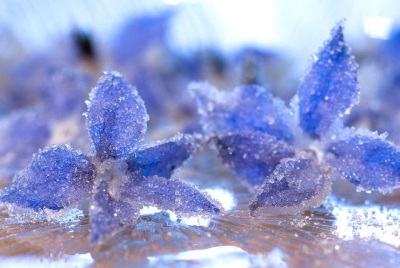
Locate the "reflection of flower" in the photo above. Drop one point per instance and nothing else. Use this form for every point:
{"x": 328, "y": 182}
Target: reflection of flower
{"x": 257, "y": 136}
{"x": 123, "y": 174}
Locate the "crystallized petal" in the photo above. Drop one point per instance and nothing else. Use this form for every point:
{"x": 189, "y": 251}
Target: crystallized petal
{"x": 252, "y": 156}
{"x": 170, "y": 194}
{"x": 247, "y": 108}
{"x": 57, "y": 177}
{"x": 367, "y": 160}
{"x": 116, "y": 117}
{"x": 163, "y": 157}
{"x": 108, "y": 215}
{"x": 330, "y": 88}
{"x": 21, "y": 134}
{"x": 296, "y": 184}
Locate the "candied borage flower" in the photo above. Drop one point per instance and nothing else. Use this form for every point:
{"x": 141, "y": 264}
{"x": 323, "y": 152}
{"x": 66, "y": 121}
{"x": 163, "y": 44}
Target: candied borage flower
{"x": 122, "y": 175}
{"x": 257, "y": 136}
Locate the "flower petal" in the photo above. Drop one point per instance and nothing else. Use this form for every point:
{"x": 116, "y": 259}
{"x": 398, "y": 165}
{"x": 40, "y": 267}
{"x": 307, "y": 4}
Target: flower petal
{"x": 163, "y": 157}
{"x": 296, "y": 184}
{"x": 170, "y": 194}
{"x": 57, "y": 177}
{"x": 366, "y": 160}
{"x": 252, "y": 156}
{"x": 330, "y": 88}
{"x": 247, "y": 108}
{"x": 116, "y": 117}
{"x": 108, "y": 215}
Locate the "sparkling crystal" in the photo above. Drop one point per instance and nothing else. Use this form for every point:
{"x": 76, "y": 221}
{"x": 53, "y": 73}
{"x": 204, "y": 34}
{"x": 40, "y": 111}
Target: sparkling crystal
{"x": 252, "y": 156}
{"x": 170, "y": 194}
{"x": 366, "y": 160}
{"x": 330, "y": 88}
{"x": 108, "y": 215}
{"x": 296, "y": 184}
{"x": 162, "y": 157}
{"x": 116, "y": 117}
{"x": 57, "y": 177}
{"x": 247, "y": 108}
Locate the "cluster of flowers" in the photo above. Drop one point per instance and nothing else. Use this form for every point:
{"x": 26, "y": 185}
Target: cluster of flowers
{"x": 288, "y": 156}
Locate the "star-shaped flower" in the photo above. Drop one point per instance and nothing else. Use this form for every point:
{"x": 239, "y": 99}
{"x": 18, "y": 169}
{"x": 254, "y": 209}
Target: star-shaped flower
{"x": 121, "y": 176}
{"x": 289, "y": 155}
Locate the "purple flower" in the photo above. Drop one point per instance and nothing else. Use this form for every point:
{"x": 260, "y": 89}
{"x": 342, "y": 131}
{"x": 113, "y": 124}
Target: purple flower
{"x": 121, "y": 176}
{"x": 289, "y": 155}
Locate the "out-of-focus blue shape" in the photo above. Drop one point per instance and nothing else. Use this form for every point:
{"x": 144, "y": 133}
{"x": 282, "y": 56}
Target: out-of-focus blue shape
{"x": 252, "y": 156}
{"x": 22, "y": 134}
{"x": 64, "y": 93}
{"x": 139, "y": 35}
{"x": 330, "y": 88}
{"x": 116, "y": 117}
{"x": 143, "y": 55}
{"x": 296, "y": 184}
{"x": 57, "y": 177}
{"x": 367, "y": 161}
{"x": 161, "y": 158}
{"x": 247, "y": 108}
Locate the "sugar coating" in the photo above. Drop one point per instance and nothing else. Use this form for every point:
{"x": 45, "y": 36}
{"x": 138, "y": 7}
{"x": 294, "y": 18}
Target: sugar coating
{"x": 116, "y": 117}
{"x": 252, "y": 156}
{"x": 57, "y": 177}
{"x": 161, "y": 158}
{"x": 330, "y": 88}
{"x": 120, "y": 194}
{"x": 108, "y": 215}
{"x": 22, "y": 134}
{"x": 296, "y": 184}
{"x": 247, "y": 108}
{"x": 366, "y": 160}
{"x": 170, "y": 194}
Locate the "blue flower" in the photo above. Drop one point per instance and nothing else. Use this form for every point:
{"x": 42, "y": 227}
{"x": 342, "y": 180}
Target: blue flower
{"x": 290, "y": 155}
{"x": 121, "y": 176}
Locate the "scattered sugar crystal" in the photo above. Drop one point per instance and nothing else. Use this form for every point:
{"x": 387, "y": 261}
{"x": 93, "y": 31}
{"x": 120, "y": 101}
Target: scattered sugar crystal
{"x": 170, "y": 194}
{"x": 57, "y": 177}
{"x": 162, "y": 157}
{"x": 247, "y": 108}
{"x": 252, "y": 156}
{"x": 366, "y": 222}
{"x": 331, "y": 86}
{"x": 116, "y": 117}
{"x": 366, "y": 160}
{"x": 108, "y": 215}
{"x": 22, "y": 134}
{"x": 296, "y": 184}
